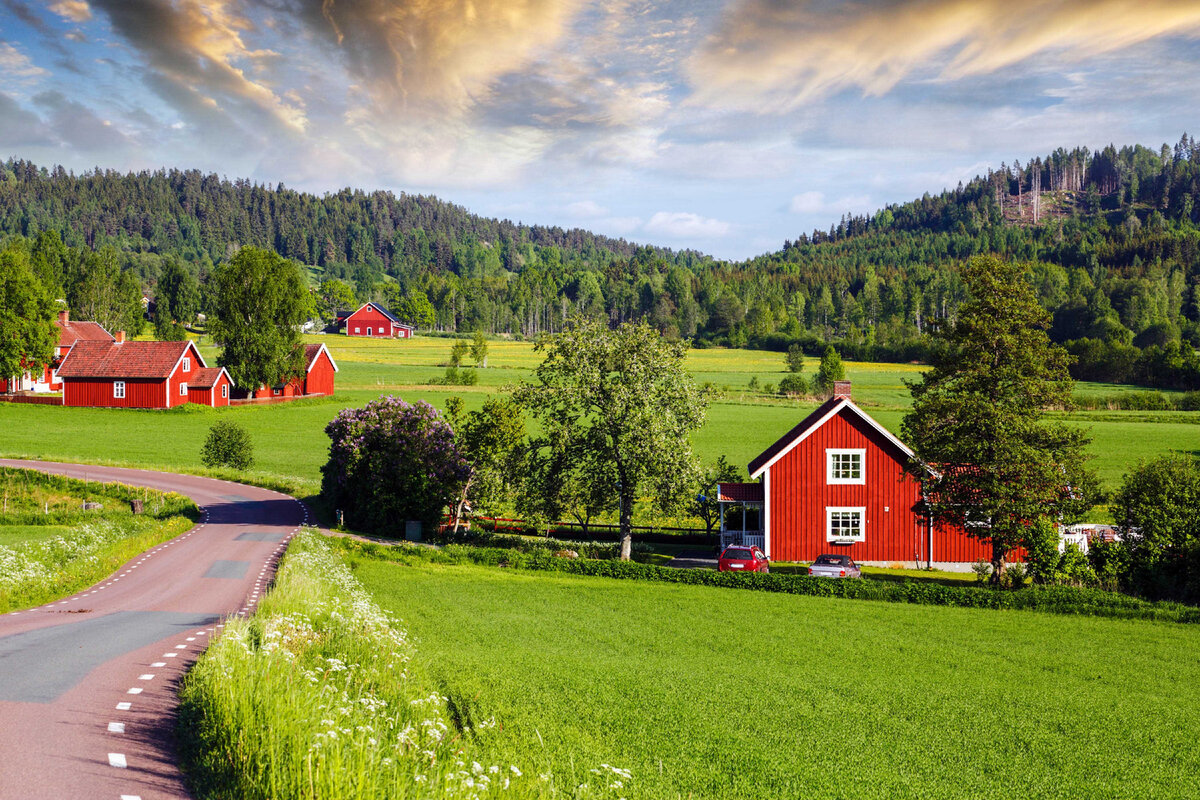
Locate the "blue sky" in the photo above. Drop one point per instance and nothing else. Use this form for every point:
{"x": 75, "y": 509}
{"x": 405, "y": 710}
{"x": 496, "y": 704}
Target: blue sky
{"x": 726, "y": 126}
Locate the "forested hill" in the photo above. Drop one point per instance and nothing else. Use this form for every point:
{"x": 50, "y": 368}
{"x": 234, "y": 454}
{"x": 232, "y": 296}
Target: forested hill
{"x": 1112, "y": 238}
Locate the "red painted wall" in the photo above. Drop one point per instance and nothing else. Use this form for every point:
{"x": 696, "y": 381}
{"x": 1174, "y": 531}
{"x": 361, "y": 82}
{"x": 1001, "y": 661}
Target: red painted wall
{"x": 368, "y": 316}
{"x": 320, "y": 378}
{"x": 800, "y": 495}
{"x": 211, "y": 396}
{"x": 149, "y": 393}
{"x": 179, "y": 376}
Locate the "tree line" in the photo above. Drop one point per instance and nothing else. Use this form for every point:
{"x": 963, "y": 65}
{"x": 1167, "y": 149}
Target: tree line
{"x": 1110, "y": 240}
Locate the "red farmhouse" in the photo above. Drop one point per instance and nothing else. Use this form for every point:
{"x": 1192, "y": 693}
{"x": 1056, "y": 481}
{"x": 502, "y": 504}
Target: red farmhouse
{"x": 318, "y": 376}
{"x": 836, "y": 483}
{"x": 125, "y": 374}
{"x": 210, "y": 387}
{"x": 46, "y": 380}
{"x": 375, "y": 320}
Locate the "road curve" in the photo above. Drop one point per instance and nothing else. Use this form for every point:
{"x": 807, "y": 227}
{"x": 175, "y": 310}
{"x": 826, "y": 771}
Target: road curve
{"x": 88, "y": 683}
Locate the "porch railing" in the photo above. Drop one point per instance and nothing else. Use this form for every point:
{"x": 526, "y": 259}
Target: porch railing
{"x": 745, "y": 538}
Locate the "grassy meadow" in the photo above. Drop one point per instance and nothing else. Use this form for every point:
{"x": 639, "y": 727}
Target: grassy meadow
{"x": 50, "y": 547}
{"x": 291, "y": 445}
{"x": 718, "y": 693}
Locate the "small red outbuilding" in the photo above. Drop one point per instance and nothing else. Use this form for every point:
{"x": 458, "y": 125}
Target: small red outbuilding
{"x": 375, "y": 320}
{"x": 837, "y": 483}
{"x": 319, "y": 369}
{"x": 121, "y": 374}
{"x": 210, "y": 387}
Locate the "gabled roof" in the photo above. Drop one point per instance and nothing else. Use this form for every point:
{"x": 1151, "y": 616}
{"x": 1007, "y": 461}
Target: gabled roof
{"x": 71, "y": 332}
{"x": 311, "y": 351}
{"x": 206, "y": 377}
{"x": 824, "y": 412}
{"x": 91, "y": 359}
{"x": 739, "y": 492}
{"x": 383, "y": 311}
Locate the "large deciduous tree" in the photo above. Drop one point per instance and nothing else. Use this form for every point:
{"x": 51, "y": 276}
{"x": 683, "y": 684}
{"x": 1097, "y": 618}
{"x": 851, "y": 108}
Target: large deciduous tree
{"x": 491, "y": 441}
{"x": 177, "y": 300}
{"x": 100, "y": 291}
{"x": 1157, "y": 511}
{"x": 390, "y": 462}
{"x": 27, "y": 331}
{"x": 989, "y": 459}
{"x": 260, "y": 300}
{"x": 623, "y": 396}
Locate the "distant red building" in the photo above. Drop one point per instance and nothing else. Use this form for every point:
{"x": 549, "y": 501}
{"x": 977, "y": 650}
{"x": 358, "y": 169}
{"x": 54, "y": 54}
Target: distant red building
{"x": 45, "y": 379}
{"x": 211, "y": 386}
{"x": 836, "y": 483}
{"x": 375, "y": 320}
{"x": 317, "y": 380}
{"x": 121, "y": 374}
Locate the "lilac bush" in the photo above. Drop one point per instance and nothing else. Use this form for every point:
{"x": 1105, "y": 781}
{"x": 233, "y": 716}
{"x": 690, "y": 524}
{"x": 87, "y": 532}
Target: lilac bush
{"x": 389, "y": 462}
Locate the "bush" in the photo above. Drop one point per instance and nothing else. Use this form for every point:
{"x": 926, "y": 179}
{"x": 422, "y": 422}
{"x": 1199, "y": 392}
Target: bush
{"x": 982, "y": 570}
{"x": 228, "y": 445}
{"x": 390, "y": 462}
{"x": 793, "y": 385}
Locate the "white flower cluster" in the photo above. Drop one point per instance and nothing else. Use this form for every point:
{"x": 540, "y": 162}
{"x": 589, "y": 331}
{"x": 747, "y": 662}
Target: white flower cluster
{"x": 40, "y": 564}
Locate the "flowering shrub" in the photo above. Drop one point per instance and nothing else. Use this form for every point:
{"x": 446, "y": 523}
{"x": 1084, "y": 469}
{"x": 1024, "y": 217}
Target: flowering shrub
{"x": 390, "y": 462}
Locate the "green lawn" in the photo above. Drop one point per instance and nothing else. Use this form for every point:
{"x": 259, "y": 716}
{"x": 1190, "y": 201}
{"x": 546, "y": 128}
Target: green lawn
{"x": 715, "y": 693}
{"x": 13, "y": 535}
{"x": 291, "y": 444}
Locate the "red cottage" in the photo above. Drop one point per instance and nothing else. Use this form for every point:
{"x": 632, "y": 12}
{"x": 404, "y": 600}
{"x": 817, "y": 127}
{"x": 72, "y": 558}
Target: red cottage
{"x": 45, "y": 379}
{"x": 836, "y": 483}
{"x": 375, "y": 320}
{"x": 318, "y": 376}
{"x": 210, "y": 387}
{"x": 123, "y": 374}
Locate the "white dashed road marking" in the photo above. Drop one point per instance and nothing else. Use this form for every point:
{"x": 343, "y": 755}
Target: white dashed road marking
{"x": 134, "y": 690}
{"x": 124, "y": 706}
{"x": 116, "y": 727}
{"x": 117, "y": 760}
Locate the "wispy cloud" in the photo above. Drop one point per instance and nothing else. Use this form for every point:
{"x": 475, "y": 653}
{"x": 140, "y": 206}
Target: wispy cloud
{"x": 686, "y": 225}
{"x": 16, "y": 66}
{"x": 777, "y": 55}
{"x": 74, "y": 10}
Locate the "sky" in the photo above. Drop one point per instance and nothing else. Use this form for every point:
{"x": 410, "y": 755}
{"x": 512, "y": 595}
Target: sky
{"x": 725, "y": 126}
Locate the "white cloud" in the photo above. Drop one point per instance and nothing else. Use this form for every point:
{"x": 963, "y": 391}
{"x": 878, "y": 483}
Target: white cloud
{"x": 74, "y": 10}
{"x": 807, "y": 202}
{"x": 15, "y": 64}
{"x": 585, "y": 209}
{"x": 685, "y": 225}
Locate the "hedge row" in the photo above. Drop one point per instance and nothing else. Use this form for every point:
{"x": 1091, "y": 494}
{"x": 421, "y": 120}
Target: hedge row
{"x": 1052, "y": 599}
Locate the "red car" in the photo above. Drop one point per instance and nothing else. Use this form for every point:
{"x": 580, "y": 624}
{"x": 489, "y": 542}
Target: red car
{"x": 738, "y": 558}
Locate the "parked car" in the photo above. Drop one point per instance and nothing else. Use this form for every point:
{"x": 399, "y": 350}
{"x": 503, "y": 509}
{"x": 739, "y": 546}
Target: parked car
{"x": 831, "y": 566}
{"x": 739, "y": 558}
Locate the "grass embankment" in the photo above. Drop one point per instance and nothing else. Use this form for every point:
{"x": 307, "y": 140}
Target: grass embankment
{"x": 50, "y": 547}
{"x": 320, "y": 695}
{"x": 707, "y": 692}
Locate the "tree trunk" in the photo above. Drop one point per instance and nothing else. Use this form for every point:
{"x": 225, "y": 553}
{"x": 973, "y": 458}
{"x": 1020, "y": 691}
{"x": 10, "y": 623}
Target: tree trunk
{"x": 998, "y": 554}
{"x": 626, "y": 522}
{"x": 458, "y": 507}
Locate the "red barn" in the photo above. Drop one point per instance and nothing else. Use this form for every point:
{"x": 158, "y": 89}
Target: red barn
{"x": 46, "y": 378}
{"x": 319, "y": 370}
{"x": 123, "y": 374}
{"x": 375, "y": 320}
{"x": 210, "y": 386}
{"x": 836, "y": 483}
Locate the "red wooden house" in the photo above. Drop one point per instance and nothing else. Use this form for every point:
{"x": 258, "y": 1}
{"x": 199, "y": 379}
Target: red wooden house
{"x": 375, "y": 320}
{"x": 210, "y": 386}
{"x": 836, "y": 483}
{"x": 123, "y": 374}
{"x": 45, "y": 378}
{"x": 317, "y": 380}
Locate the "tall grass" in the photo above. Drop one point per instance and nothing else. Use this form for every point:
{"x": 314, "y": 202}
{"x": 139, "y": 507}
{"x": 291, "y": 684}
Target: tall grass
{"x": 36, "y": 568}
{"x": 320, "y": 695}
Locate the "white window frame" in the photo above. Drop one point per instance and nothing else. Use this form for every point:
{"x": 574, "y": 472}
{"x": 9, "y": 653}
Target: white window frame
{"x": 118, "y": 390}
{"x": 187, "y": 364}
{"x": 358, "y": 329}
{"x": 369, "y": 329}
{"x": 183, "y": 389}
{"x": 842, "y": 537}
{"x": 224, "y": 390}
{"x": 831, "y": 455}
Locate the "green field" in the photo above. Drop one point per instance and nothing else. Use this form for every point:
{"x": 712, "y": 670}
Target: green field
{"x": 717, "y": 693}
{"x": 291, "y": 444}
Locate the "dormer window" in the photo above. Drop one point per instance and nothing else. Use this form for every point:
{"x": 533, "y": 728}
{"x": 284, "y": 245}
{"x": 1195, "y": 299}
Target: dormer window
{"x": 846, "y": 465}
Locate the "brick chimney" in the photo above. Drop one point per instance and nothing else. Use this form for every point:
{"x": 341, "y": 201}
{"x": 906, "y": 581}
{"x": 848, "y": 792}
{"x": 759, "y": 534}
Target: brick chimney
{"x": 120, "y": 337}
{"x": 64, "y": 317}
{"x": 841, "y": 389}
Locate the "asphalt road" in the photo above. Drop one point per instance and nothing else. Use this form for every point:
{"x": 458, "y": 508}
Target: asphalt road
{"x": 88, "y": 683}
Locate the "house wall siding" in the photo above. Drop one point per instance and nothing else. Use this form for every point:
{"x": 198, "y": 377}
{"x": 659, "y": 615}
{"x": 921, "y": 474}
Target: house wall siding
{"x": 895, "y": 532}
{"x": 139, "y": 393}
{"x": 320, "y": 378}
